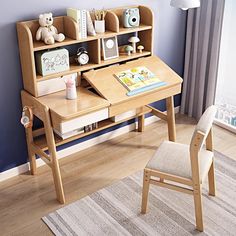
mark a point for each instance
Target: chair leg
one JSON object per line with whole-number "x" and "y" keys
{"x": 197, "y": 194}
{"x": 146, "y": 178}
{"x": 211, "y": 180}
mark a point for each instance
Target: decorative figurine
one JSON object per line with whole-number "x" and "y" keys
{"x": 70, "y": 82}
{"x": 47, "y": 32}
{"x": 129, "y": 49}
{"x": 134, "y": 40}
{"x": 140, "y": 48}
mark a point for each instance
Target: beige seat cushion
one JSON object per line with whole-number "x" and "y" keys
{"x": 174, "y": 158}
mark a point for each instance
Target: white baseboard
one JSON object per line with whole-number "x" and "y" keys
{"x": 79, "y": 147}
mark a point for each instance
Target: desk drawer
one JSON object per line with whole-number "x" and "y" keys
{"x": 146, "y": 98}
{"x": 79, "y": 122}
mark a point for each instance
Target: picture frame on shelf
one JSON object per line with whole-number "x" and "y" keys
{"x": 110, "y": 48}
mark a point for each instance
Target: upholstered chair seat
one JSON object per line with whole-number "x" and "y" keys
{"x": 173, "y": 158}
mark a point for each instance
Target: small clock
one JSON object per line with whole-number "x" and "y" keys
{"x": 82, "y": 56}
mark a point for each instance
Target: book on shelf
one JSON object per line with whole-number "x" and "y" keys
{"x": 80, "y": 16}
{"x": 138, "y": 79}
{"x": 70, "y": 133}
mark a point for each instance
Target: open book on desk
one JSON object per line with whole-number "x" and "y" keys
{"x": 138, "y": 80}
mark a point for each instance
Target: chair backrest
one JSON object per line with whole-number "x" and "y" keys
{"x": 201, "y": 133}
{"x": 203, "y": 126}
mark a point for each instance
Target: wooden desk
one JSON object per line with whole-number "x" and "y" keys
{"x": 55, "y": 110}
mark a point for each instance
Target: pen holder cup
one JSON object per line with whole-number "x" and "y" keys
{"x": 99, "y": 26}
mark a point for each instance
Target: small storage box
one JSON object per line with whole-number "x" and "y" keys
{"x": 53, "y": 61}
{"x": 53, "y": 85}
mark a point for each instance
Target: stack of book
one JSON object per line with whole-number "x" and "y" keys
{"x": 90, "y": 127}
{"x": 70, "y": 133}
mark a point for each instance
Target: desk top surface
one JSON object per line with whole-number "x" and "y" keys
{"x": 106, "y": 84}
{"x": 63, "y": 108}
{"x": 110, "y": 89}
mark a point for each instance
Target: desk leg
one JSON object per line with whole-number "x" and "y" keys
{"x": 53, "y": 156}
{"x": 141, "y": 120}
{"x": 32, "y": 158}
{"x": 171, "y": 118}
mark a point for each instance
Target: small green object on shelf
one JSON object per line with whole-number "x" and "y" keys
{"x": 53, "y": 61}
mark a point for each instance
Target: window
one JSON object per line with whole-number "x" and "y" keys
{"x": 226, "y": 84}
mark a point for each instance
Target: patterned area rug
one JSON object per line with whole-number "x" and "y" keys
{"x": 115, "y": 210}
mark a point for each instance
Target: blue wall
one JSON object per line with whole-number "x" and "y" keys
{"x": 169, "y": 41}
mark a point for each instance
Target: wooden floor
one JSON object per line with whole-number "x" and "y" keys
{"x": 25, "y": 199}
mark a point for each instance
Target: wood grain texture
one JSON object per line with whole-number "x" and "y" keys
{"x": 105, "y": 82}
{"x": 211, "y": 173}
{"x": 89, "y": 171}
{"x": 31, "y": 153}
{"x": 146, "y": 184}
{"x": 25, "y": 42}
{"x": 66, "y": 25}
{"x": 41, "y": 141}
{"x": 171, "y": 118}
{"x": 53, "y": 157}
{"x": 112, "y": 22}
{"x": 64, "y": 109}
{"x": 141, "y": 120}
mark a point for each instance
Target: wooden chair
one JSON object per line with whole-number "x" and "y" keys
{"x": 183, "y": 167}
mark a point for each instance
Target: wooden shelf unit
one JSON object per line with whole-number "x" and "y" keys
{"x": 29, "y": 46}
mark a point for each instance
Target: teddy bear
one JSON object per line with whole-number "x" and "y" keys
{"x": 47, "y": 32}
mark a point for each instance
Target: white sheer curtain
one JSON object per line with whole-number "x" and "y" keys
{"x": 225, "y": 97}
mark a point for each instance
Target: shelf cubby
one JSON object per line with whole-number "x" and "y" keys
{"x": 146, "y": 18}
{"x": 145, "y": 37}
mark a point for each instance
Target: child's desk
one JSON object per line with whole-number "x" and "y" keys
{"x": 58, "y": 113}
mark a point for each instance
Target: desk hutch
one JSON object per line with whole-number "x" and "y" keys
{"x": 110, "y": 98}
